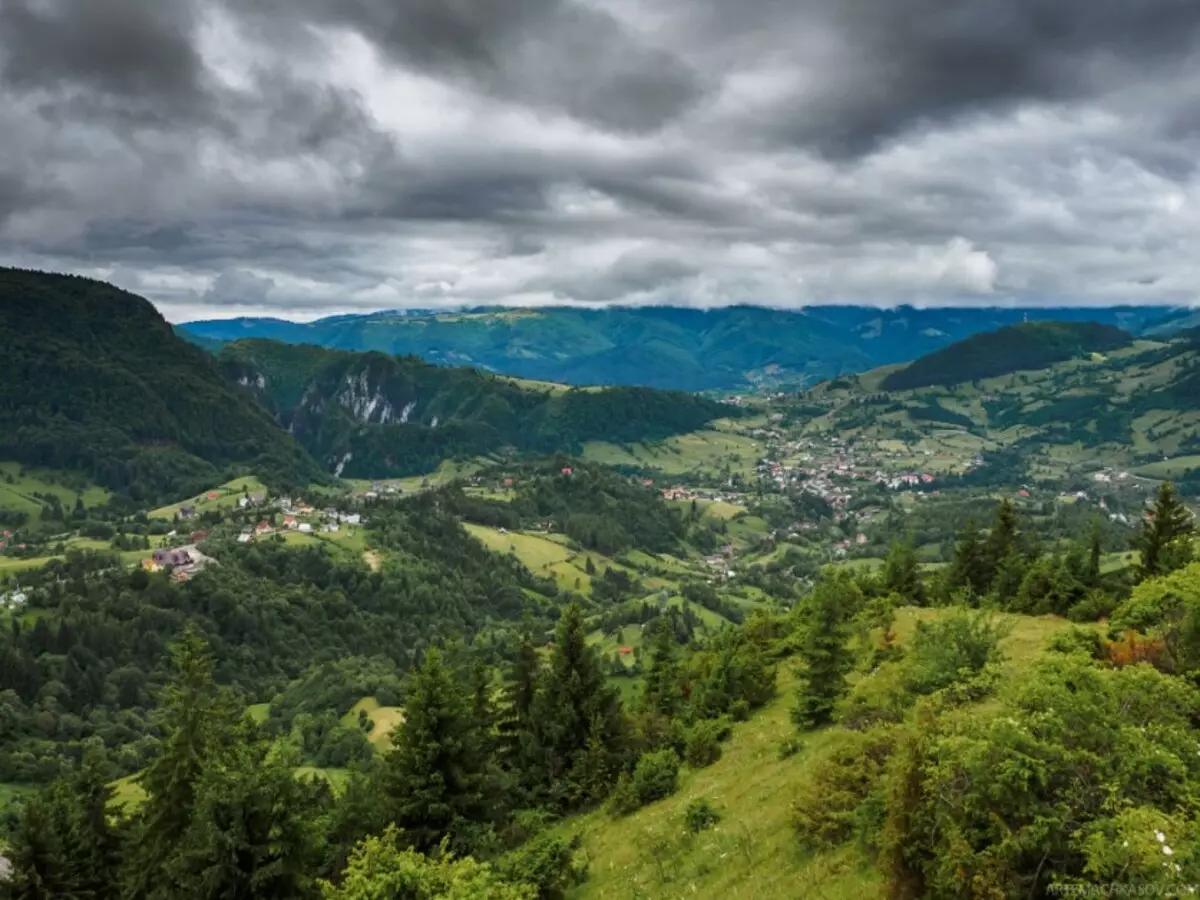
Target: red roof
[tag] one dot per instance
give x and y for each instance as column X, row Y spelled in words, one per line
column 508, row 481
column 626, row 649
column 566, row 470
column 213, row 495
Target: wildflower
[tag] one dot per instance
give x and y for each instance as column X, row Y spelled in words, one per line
column 1161, row 837
column 1167, row 850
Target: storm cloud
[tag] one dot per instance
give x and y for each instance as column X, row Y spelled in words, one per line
column 298, row 157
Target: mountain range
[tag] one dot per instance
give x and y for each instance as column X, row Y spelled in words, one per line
column 93, row 379
column 733, row 348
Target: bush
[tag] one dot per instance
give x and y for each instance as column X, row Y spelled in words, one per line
column 624, row 798
column 789, row 747
column 703, row 744
column 877, row 699
column 551, row 864
column 656, row 776
column 953, row 648
column 1078, row 640
column 700, row 815
column 831, row 805
column 1095, row 606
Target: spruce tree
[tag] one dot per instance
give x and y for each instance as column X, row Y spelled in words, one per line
column 662, row 690
column 200, row 719
column 902, row 573
column 573, row 697
column 1165, row 541
column 968, row 571
column 435, row 771
column 825, row 617
column 1091, row 572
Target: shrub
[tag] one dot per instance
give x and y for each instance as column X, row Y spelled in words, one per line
column 1095, row 606
column 1078, row 640
column 656, row 776
column 832, row 797
column 550, row 863
column 789, row 747
column 953, row 648
column 879, row 698
column 624, row 798
column 700, row 815
column 703, row 744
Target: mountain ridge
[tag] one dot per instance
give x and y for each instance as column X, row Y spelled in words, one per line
column 729, row 348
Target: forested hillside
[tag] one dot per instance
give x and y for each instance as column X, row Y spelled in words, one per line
column 371, row 415
column 681, row 349
column 1033, row 345
column 93, row 379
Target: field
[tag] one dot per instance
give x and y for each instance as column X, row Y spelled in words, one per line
column 17, row 494
column 386, row 719
column 11, row 564
column 752, row 852
column 708, row 450
column 545, row 556
column 224, row 496
column 1168, row 468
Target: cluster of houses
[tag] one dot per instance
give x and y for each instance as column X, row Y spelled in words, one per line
column 182, row 562
column 302, row 518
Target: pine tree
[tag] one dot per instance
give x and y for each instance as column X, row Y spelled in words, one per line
column 826, row 613
column 1091, row 572
column 1003, row 544
column 1165, row 540
column 435, row 771
column 255, row 828
column 968, row 570
column 200, row 721
column 902, row 573
column 662, row 691
column 573, row 695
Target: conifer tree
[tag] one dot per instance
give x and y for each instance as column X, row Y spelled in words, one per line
column 826, row 613
column 1091, row 572
column 200, row 719
column 435, row 771
column 573, row 697
column 969, row 568
column 662, row 690
column 902, row 573
column 1165, row 541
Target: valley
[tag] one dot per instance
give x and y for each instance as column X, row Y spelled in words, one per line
column 693, row 646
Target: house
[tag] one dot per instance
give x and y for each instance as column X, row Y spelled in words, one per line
column 508, row 482
column 305, row 528
column 187, row 512
column 163, row 558
column 567, row 470
column 258, row 499
column 263, row 527
column 352, row 519
column 245, row 537
column 213, row 495
column 331, row 527
column 198, row 536
column 289, row 522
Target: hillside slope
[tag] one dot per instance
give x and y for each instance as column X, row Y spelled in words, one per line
column 1128, row 408
column 1033, row 345
column 93, row 378
column 373, row 415
column 675, row 348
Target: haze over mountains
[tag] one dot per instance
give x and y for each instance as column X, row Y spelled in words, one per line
column 730, row 348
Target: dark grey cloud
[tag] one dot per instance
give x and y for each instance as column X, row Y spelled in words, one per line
column 340, row 155
column 552, row 54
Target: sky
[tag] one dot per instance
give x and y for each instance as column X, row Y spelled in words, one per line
column 300, row 158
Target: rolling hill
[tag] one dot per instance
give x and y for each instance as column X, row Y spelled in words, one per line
column 93, row 379
column 373, row 415
column 1130, row 407
column 1033, row 345
column 731, row 348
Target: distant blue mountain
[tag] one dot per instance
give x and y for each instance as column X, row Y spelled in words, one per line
column 731, row 348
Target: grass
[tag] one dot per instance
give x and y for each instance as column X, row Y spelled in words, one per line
column 66, row 486
column 128, row 795
column 224, row 496
column 259, row 712
column 752, row 852
column 682, row 454
column 545, row 555
column 386, row 719
column 1168, row 468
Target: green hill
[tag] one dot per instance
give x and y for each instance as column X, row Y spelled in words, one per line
column 373, row 415
column 93, row 379
column 1033, row 345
